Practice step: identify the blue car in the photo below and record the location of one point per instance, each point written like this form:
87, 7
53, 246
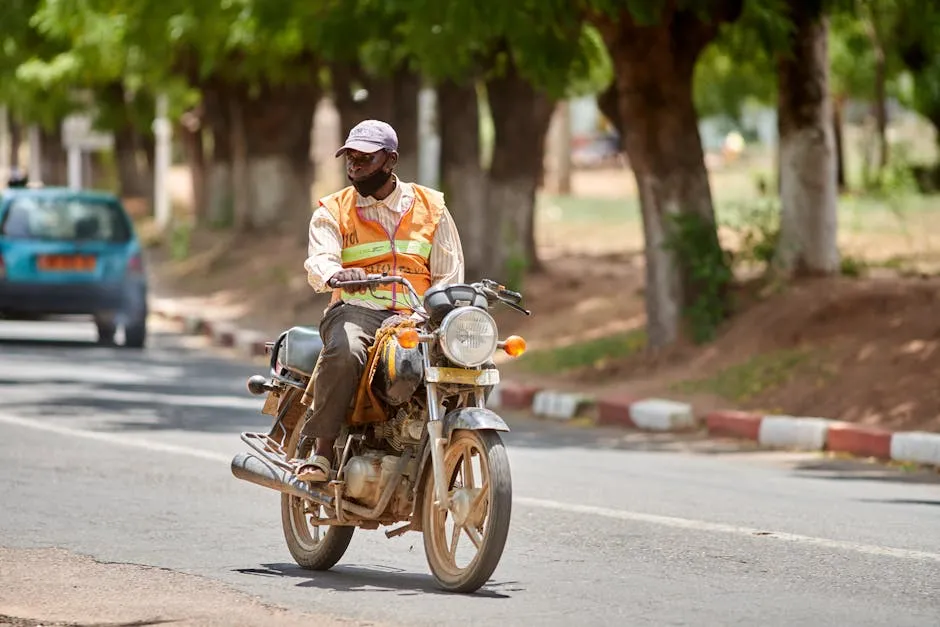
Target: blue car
65, 251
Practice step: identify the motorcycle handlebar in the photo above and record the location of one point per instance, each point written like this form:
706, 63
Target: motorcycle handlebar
514, 297
371, 279
511, 298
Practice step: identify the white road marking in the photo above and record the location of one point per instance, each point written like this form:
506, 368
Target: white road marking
702, 525
111, 438
573, 508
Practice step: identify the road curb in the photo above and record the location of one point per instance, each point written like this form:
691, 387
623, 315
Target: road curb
820, 434
650, 414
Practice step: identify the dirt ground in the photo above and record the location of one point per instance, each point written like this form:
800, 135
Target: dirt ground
43, 587
857, 349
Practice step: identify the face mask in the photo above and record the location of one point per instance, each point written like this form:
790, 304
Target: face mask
372, 183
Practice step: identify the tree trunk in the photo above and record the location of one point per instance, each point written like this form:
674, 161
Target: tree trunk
808, 219
392, 99
880, 103
463, 180
218, 209
16, 139
521, 116
148, 145
556, 176
378, 105
241, 185
278, 121
653, 69
564, 148
609, 104
279, 127
131, 178
191, 134
837, 105
54, 162
406, 85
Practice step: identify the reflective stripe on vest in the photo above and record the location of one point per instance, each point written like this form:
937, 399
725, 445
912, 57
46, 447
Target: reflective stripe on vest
361, 252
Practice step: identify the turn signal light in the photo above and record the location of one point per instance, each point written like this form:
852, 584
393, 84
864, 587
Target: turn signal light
408, 338
514, 345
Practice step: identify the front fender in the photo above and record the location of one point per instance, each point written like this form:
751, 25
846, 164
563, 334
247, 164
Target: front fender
473, 419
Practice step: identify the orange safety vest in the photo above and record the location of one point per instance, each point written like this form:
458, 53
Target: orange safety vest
405, 252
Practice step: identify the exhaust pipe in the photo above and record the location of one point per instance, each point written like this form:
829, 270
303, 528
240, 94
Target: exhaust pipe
256, 470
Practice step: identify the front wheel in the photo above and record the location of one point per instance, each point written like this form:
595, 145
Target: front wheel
312, 547
480, 490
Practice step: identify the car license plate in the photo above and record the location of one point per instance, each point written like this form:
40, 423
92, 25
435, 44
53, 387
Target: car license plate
66, 263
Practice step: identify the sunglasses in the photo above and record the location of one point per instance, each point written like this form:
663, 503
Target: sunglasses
363, 159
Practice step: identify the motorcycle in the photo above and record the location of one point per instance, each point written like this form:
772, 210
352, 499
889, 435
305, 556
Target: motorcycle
419, 447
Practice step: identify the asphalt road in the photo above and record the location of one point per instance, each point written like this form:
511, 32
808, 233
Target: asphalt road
123, 456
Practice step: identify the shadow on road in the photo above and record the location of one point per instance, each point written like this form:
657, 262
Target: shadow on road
902, 501
46, 343
370, 578
860, 470
534, 433
160, 388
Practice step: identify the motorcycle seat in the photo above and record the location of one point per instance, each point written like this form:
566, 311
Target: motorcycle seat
300, 349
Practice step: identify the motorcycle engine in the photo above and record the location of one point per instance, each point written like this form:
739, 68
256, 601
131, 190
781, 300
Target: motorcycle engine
366, 476
406, 428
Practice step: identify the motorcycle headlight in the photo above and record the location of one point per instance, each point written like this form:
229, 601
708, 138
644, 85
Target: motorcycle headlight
468, 336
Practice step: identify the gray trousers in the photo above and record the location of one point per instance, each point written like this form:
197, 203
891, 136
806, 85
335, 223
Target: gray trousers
348, 332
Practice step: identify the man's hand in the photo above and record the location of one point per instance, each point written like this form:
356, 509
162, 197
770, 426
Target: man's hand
351, 274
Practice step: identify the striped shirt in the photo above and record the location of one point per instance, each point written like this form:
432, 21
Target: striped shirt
325, 246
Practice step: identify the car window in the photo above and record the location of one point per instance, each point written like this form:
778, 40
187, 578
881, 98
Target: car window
64, 219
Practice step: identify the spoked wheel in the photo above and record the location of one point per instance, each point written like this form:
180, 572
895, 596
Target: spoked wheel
464, 544
312, 547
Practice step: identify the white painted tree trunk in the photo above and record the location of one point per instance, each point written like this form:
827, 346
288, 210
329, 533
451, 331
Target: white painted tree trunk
808, 187
510, 202
462, 178
808, 217
219, 189
279, 189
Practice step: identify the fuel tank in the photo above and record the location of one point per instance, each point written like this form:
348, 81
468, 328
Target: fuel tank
398, 374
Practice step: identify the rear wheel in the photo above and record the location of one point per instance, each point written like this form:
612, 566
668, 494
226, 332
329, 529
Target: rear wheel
106, 330
312, 547
135, 334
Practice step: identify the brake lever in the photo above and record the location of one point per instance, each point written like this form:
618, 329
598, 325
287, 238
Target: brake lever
512, 305
489, 292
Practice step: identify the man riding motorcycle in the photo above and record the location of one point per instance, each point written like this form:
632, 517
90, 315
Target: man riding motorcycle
378, 224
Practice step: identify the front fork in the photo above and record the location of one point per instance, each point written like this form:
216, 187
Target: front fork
436, 435
438, 441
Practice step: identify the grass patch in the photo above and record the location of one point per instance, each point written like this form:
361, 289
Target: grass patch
748, 379
584, 210
586, 354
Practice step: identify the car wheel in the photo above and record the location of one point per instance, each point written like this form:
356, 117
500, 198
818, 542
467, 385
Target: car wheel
135, 334
106, 331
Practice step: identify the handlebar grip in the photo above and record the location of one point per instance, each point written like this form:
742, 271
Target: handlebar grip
515, 297
370, 279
